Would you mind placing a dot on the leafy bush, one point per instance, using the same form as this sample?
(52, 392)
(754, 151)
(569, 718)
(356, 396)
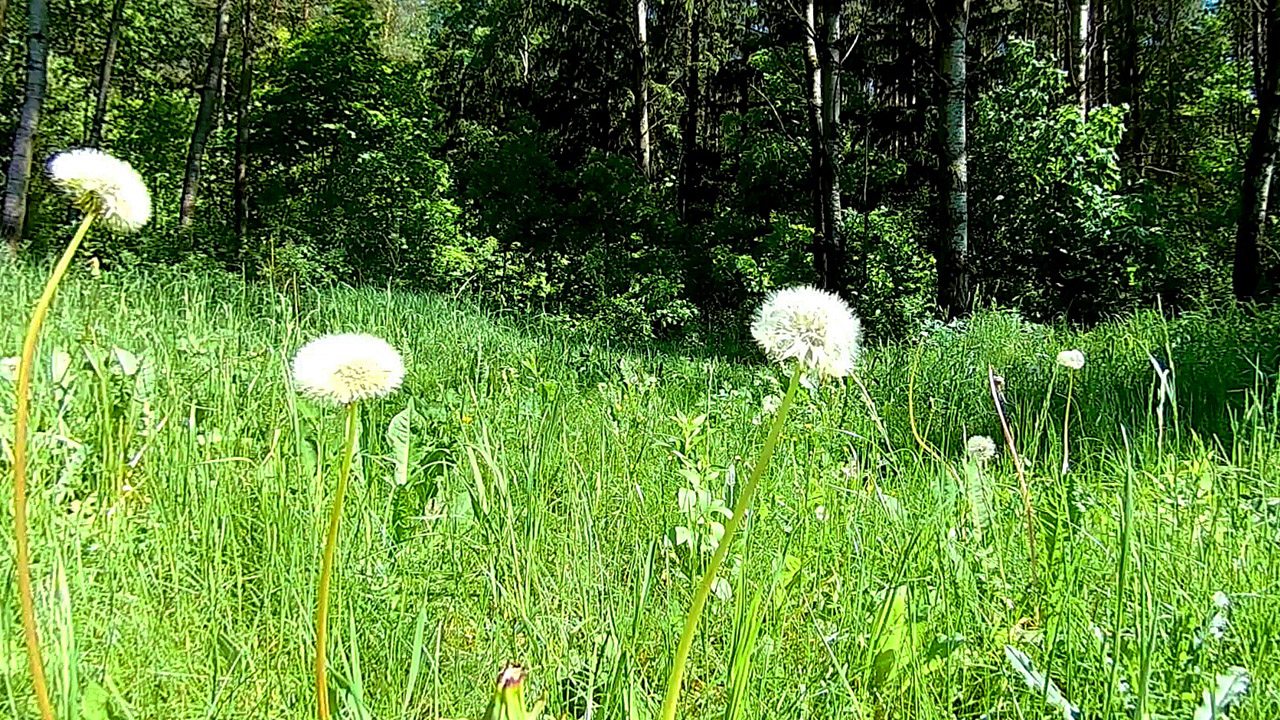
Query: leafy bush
(596, 240)
(350, 147)
(1052, 229)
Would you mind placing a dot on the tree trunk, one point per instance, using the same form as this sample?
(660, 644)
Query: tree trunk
(642, 86)
(15, 195)
(1256, 20)
(824, 118)
(954, 297)
(1079, 60)
(690, 170)
(243, 101)
(104, 75)
(1259, 167)
(1099, 59)
(1128, 87)
(833, 279)
(204, 117)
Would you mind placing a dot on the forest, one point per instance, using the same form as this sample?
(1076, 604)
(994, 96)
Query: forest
(654, 167)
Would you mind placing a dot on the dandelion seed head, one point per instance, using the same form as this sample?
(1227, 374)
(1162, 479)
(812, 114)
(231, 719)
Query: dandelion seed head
(813, 327)
(1071, 359)
(103, 185)
(345, 368)
(981, 448)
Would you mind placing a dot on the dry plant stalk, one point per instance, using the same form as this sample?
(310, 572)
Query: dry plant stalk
(997, 398)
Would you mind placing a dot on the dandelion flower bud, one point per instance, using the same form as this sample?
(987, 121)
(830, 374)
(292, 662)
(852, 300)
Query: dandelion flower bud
(103, 185)
(813, 327)
(1071, 359)
(346, 368)
(980, 448)
(508, 698)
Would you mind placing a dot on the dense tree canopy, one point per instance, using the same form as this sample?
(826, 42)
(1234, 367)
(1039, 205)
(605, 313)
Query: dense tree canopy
(655, 165)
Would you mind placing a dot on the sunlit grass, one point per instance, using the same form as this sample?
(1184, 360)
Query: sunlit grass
(179, 488)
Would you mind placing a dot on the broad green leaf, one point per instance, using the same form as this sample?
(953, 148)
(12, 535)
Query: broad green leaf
(722, 589)
(95, 704)
(1228, 691)
(1040, 684)
(400, 436)
(310, 457)
(975, 491)
(682, 535)
(686, 500)
(889, 637)
(787, 575)
(128, 361)
(61, 368)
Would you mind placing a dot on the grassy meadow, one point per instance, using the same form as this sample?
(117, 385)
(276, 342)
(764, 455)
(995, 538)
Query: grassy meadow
(539, 494)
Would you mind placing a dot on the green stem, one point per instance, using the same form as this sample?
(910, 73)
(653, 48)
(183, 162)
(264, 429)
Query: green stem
(1066, 422)
(1122, 572)
(730, 529)
(326, 566)
(22, 415)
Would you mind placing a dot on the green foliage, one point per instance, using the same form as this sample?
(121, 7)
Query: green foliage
(895, 278)
(594, 241)
(1052, 226)
(348, 140)
(490, 149)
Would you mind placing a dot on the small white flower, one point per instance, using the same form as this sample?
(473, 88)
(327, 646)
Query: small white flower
(1071, 359)
(347, 367)
(813, 327)
(981, 448)
(1221, 600)
(101, 184)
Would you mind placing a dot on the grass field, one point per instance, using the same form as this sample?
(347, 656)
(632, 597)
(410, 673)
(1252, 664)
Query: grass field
(523, 503)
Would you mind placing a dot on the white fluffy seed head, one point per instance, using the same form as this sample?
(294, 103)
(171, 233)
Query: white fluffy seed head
(103, 185)
(813, 327)
(346, 368)
(1071, 359)
(981, 448)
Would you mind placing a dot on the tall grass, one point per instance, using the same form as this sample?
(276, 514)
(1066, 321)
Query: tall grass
(178, 489)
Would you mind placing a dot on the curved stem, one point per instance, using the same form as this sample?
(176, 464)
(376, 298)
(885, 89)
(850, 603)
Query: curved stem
(730, 529)
(997, 398)
(326, 566)
(22, 415)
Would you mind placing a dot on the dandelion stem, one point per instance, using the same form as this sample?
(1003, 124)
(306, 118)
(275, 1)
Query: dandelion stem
(1066, 423)
(730, 529)
(326, 566)
(21, 420)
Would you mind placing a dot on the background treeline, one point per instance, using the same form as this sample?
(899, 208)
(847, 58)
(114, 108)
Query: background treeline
(657, 164)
